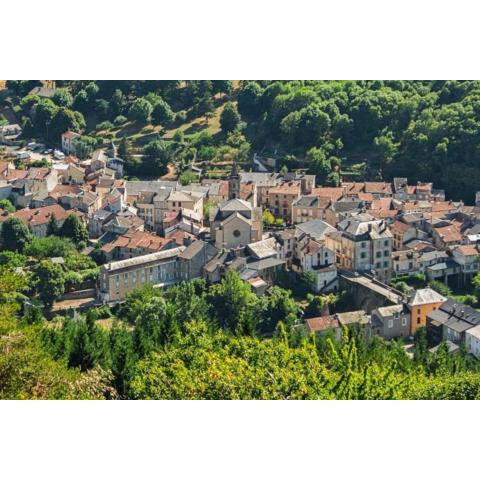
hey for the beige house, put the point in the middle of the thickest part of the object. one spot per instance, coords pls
(69, 139)
(309, 207)
(280, 199)
(364, 245)
(118, 279)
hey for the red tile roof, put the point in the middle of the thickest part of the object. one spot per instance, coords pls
(320, 324)
(39, 216)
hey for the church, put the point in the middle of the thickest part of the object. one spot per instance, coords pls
(235, 223)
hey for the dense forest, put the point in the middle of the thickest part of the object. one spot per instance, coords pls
(425, 130)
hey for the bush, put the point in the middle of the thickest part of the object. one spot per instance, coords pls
(120, 120)
(106, 125)
(180, 117)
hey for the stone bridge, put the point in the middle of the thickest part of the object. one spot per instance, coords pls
(368, 293)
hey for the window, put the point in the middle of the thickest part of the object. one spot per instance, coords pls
(378, 254)
(418, 320)
(363, 255)
(418, 310)
(385, 264)
(363, 244)
(404, 321)
(390, 323)
(378, 265)
(386, 253)
(236, 233)
(385, 243)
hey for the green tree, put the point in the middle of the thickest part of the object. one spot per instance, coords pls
(74, 228)
(222, 86)
(52, 227)
(268, 218)
(206, 107)
(187, 177)
(162, 114)
(7, 205)
(49, 281)
(156, 326)
(157, 156)
(278, 306)
(234, 305)
(15, 235)
(230, 118)
(63, 98)
(63, 120)
(249, 99)
(140, 111)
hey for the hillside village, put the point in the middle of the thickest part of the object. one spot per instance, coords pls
(366, 238)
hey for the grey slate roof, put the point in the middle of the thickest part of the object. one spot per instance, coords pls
(316, 229)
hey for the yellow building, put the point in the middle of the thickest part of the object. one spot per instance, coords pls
(423, 302)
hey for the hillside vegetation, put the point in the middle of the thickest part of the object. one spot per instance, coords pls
(425, 130)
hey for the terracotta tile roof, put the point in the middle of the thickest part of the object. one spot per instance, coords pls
(468, 250)
(378, 187)
(382, 214)
(320, 324)
(332, 193)
(381, 204)
(449, 233)
(179, 236)
(443, 206)
(246, 190)
(62, 190)
(138, 240)
(398, 226)
(354, 187)
(366, 197)
(287, 188)
(15, 175)
(39, 216)
(69, 135)
(311, 247)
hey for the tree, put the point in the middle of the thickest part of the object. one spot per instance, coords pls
(140, 110)
(156, 326)
(15, 235)
(63, 98)
(7, 205)
(162, 114)
(268, 218)
(234, 305)
(206, 107)
(63, 120)
(52, 227)
(222, 86)
(278, 306)
(84, 147)
(74, 229)
(49, 281)
(50, 246)
(157, 155)
(230, 118)
(187, 177)
(421, 347)
(118, 103)
(386, 147)
(249, 99)
(319, 164)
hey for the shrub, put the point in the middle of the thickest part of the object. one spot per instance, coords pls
(120, 120)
